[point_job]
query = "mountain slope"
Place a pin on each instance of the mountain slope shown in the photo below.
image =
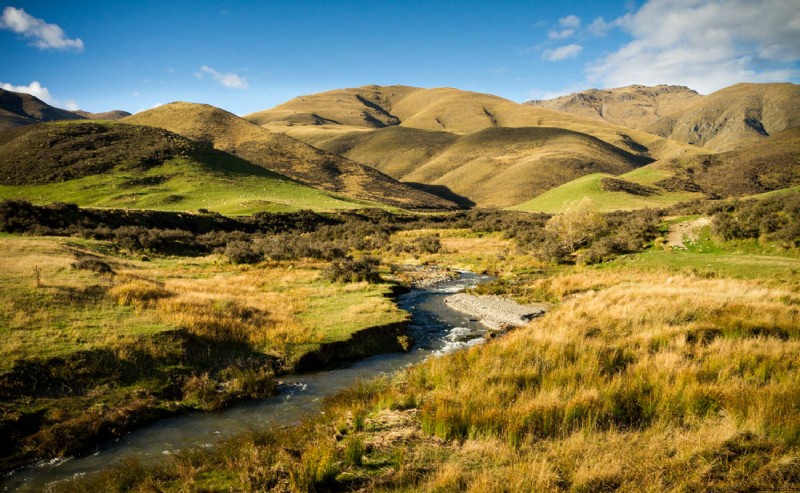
(632, 106)
(285, 155)
(113, 115)
(18, 109)
(121, 165)
(770, 165)
(494, 167)
(472, 148)
(731, 118)
(734, 117)
(441, 109)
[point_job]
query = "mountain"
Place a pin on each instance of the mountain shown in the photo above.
(734, 117)
(769, 165)
(23, 109)
(731, 118)
(285, 155)
(470, 147)
(632, 106)
(105, 164)
(113, 115)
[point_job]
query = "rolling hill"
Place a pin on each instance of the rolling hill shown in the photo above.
(18, 109)
(122, 165)
(112, 115)
(632, 106)
(731, 118)
(285, 155)
(767, 166)
(476, 149)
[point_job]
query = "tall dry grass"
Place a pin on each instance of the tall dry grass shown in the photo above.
(634, 382)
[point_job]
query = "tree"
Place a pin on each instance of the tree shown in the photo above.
(573, 228)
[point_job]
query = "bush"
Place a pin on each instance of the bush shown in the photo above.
(351, 270)
(242, 252)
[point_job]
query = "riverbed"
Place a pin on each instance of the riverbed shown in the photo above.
(436, 328)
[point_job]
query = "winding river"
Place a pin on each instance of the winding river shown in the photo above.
(436, 328)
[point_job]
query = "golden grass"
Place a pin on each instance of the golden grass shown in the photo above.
(634, 382)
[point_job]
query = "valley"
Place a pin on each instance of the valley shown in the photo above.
(184, 259)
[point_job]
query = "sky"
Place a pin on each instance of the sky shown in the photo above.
(253, 55)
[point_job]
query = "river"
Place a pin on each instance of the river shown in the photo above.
(436, 328)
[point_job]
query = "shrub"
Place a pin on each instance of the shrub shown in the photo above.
(242, 252)
(351, 270)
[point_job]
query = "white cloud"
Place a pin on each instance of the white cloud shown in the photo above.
(706, 45)
(562, 53)
(34, 89)
(564, 34)
(41, 92)
(572, 21)
(45, 36)
(229, 79)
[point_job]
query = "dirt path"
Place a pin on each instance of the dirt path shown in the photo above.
(685, 231)
(495, 312)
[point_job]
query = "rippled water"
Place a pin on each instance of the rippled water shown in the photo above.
(436, 328)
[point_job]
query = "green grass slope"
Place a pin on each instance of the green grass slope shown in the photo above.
(285, 155)
(121, 165)
(493, 167)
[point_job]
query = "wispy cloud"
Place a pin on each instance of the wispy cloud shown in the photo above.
(704, 45)
(36, 89)
(572, 21)
(562, 53)
(45, 36)
(563, 34)
(229, 79)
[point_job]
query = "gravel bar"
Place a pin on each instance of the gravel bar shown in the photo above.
(495, 312)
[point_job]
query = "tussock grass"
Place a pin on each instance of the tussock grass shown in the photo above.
(636, 381)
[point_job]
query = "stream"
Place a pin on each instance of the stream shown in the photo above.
(436, 328)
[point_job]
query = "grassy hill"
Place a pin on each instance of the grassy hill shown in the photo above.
(113, 115)
(470, 147)
(121, 165)
(285, 155)
(770, 165)
(18, 109)
(494, 167)
(439, 109)
(631, 106)
(731, 118)
(734, 117)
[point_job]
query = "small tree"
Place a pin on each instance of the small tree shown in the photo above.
(574, 228)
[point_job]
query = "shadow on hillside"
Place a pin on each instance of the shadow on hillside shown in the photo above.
(443, 192)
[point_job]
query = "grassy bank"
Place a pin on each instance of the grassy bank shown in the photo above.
(666, 370)
(133, 338)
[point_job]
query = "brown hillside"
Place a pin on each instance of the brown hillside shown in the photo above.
(442, 109)
(37, 154)
(470, 147)
(113, 115)
(495, 167)
(771, 164)
(734, 117)
(18, 109)
(285, 155)
(632, 106)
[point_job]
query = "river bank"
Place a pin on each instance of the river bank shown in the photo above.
(497, 313)
(298, 395)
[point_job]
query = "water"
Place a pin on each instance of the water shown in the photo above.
(436, 328)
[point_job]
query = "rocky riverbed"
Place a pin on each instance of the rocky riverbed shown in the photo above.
(495, 312)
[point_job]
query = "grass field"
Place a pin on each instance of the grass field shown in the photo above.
(556, 199)
(86, 328)
(182, 185)
(645, 376)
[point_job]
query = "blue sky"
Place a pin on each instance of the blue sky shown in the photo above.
(248, 56)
